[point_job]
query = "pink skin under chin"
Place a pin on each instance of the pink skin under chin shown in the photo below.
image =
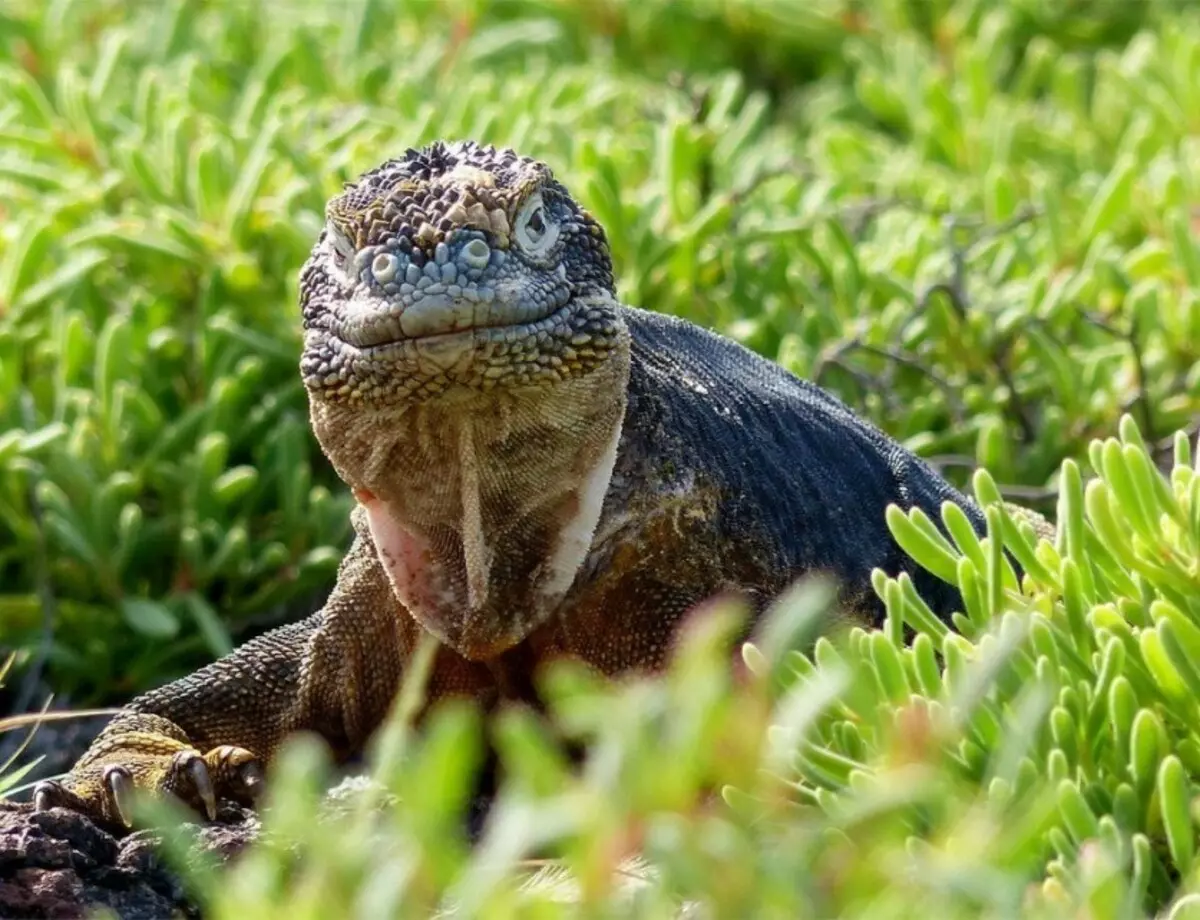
(404, 556)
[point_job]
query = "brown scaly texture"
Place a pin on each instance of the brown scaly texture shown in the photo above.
(540, 472)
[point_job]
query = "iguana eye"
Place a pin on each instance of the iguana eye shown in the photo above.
(383, 267)
(535, 227)
(536, 232)
(343, 249)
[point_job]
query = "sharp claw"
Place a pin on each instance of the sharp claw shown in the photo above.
(120, 788)
(251, 776)
(43, 796)
(198, 770)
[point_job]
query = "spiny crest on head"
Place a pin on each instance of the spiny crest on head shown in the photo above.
(419, 199)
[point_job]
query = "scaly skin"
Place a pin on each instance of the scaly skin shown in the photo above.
(540, 472)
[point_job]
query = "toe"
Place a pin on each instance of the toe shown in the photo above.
(50, 793)
(190, 764)
(47, 794)
(250, 777)
(119, 783)
(238, 771)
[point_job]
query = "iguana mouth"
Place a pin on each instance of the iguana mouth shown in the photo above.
(440, 315)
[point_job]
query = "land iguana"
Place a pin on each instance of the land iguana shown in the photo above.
(539, 470)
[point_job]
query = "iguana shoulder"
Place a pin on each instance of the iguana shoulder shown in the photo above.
(786, 478)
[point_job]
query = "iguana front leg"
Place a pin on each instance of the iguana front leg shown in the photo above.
(209, 735)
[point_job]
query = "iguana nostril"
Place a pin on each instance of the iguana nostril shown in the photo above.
(384, 267)
(476, 254)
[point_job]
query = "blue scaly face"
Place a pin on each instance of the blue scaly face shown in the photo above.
(457, 267)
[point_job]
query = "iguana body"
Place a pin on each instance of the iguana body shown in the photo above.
(539, 471)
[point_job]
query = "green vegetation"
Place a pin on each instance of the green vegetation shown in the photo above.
(1040, 762)
(973, 219)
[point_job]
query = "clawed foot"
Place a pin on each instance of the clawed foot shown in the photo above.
(198, 780)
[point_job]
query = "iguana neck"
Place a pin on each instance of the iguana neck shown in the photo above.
(482, 506)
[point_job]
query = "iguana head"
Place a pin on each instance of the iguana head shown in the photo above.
(466, 362)
(456, 267)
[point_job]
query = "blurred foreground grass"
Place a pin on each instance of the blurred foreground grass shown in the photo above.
(973, 220)
(1039, 761)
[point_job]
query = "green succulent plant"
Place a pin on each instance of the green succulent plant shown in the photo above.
(972, 219)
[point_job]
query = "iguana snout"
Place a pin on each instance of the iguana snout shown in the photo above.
(398, 295)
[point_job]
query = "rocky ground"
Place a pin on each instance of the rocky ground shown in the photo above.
(59, 864)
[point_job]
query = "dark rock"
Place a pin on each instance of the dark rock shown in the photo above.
(89, 840)
(58, 892)
(234, 828)
(139, 854)
(59, 864)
